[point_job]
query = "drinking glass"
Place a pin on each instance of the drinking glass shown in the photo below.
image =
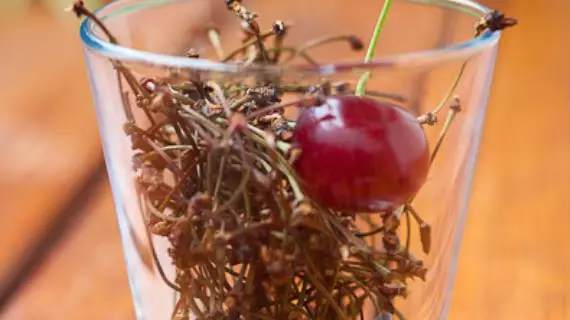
(420, 53)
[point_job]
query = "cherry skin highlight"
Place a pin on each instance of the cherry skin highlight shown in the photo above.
(360, 154)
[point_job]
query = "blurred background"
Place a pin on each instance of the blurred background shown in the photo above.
(60, 254)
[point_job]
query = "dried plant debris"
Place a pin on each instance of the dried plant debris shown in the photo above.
(215, 179)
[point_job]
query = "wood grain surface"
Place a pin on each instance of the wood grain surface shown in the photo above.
(514, 262)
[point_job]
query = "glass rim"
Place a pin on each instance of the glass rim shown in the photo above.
(462, 50)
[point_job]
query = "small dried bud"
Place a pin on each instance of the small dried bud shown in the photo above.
(429, 119)
(161, 228)
(494, 21)
(192, 53)
(232, 3)
(264, 96)
(150, 176)
(425, 236)
(78, 7)
(254, 26)
(130, 128)
(148, 84)
(393, 289)
(279, 28)
(456, 104)
(355, 43)
(240, 11)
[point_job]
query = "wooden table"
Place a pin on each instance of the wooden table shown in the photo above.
(60, 255)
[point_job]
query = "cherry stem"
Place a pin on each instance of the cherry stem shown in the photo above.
(361, 86)
(82, 10)
(354, 42)
(370, 233)
(263, 111)
(415, 214)
(454, 108)
(408, 231)
(249, 43)
(293, 53)
(320, 287)
(261, 137)
(221, 100)
(159, 265)
(431, 117)
(214, 36)
(445, 100)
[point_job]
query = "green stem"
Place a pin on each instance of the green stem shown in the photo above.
(451, 90)
(361, 86)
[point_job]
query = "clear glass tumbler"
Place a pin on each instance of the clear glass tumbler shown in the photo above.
(156, 101)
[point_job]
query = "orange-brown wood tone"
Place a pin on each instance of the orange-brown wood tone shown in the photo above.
(514, 262)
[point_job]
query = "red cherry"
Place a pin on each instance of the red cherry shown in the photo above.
(360, 154)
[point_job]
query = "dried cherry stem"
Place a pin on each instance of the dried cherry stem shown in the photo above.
(182, 98)
(361, 86)
(430, 118)
(169, 162)
(240, 102)
(210, 172)
(239, 190)
(370, 233)
(294, 102)
(249, 18)
(125, 100)
(202, 120)
(278, 50)
(493, 21)
(214, 36)
(156, 212)
(364, 288)
(280, 30)
(221, 99)
(425, 229)
(151, 154)
(186, 173)
(321, 288)
(252, 54)
(195, 308)
(408, 231)
(454, 108)
(261, 138)
(78, 7)
(373, 226)
(158, 265)
(248, 44)
(293, 53)
(260, 44)
(354, 42)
